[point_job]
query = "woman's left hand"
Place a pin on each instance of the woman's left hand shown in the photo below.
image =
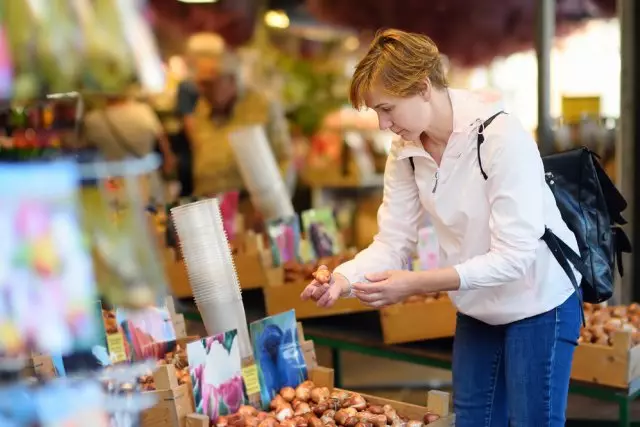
(387, 288)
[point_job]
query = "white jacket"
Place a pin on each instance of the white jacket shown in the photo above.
(489, 231)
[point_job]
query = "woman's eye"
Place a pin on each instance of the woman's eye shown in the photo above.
(387, 109)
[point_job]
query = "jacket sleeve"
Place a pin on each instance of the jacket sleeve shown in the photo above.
(398, 220)
(515, 188)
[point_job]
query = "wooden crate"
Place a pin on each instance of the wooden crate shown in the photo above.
(615, 366)
(174, 402)
(283, 297)
(417, 321)
(437, 401)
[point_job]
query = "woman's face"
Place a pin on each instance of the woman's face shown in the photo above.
(407, 117)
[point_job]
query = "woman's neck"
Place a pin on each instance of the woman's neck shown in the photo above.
(441, 123)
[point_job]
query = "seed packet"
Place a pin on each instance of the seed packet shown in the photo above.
(149, 332)
(284, 239)
(45, 267)
(321, 230)
(216, 374)
(277, 352)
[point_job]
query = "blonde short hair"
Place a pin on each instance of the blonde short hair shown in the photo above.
(400, 62)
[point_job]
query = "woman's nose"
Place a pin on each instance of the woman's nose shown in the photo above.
(384, 123)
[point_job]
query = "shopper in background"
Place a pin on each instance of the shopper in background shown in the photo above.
(199, 45)
(223, 106)
(519, 316)
(128, 128)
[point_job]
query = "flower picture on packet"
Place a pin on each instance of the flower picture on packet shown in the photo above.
(216, 374)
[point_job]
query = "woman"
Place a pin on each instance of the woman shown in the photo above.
(519, 316)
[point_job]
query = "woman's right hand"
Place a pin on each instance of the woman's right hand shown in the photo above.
(325, 295)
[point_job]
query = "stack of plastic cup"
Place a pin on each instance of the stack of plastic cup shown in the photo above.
(260, 172)
(212, 273)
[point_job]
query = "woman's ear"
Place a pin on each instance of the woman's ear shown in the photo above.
(426, 91)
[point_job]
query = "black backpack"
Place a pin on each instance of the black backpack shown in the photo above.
(591, 206)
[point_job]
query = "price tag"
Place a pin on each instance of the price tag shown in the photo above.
(115, 344)
(574, 107)
(251, 380)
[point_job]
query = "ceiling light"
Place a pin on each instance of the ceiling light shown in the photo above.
(276, 19)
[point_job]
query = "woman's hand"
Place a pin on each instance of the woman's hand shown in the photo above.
(387, 288)
(325, 295)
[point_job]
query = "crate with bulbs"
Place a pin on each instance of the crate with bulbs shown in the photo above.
(608, 352)
(280, 297)
(316, 403)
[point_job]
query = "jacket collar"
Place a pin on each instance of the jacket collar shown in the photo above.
(470, 109)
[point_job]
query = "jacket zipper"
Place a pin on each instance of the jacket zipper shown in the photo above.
(435, 184)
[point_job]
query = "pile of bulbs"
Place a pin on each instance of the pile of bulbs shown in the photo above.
(311, 406)
(603, 321)
(178, 359)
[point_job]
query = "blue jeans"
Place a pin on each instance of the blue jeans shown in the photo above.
(516, 374)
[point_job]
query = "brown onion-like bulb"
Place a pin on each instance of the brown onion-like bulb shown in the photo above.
(288, 393)
(320, 408)
(269, 422)
(328, 418)
(315, 422)
(288, 423)
(320, 394)
(339, 395)
(247, 411)
(375, 409)
(222, 421)
(300, 421)
(341, 416)
(251, 421)
(351, 422)
(414, 423)
(284, 413)
(302, 409)
(355, 401)
(303, 393)
(431, 418)
(277, 401)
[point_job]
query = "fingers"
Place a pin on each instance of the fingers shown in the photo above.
(377, 277)
(369, 298)
(330, 297)
(369, 288)
(306, 293)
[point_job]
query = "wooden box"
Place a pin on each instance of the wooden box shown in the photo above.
(615, 366)
(437, 401)
(174, 402)
(417, 321)
(283, 297)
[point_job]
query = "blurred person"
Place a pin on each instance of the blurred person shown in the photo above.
(224, 106)
(198, 45)
(128, 128)
(519, 315)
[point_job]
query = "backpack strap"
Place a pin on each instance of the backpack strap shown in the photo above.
(565, 255)
(481, 129)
